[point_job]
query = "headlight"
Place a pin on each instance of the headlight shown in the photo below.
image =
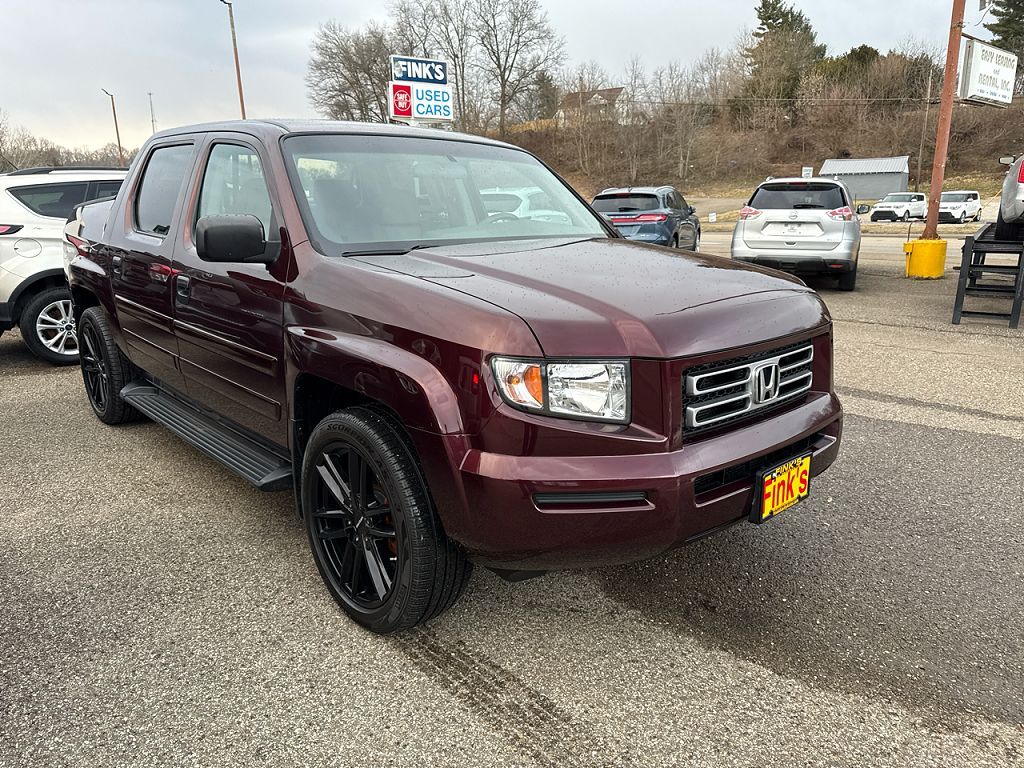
(591, 390)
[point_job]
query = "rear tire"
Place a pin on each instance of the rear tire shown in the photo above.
(48, 327)
(675, 241)
(1006, 230)
(105, 371)
(905, 216)
(696, 242)
(372, 527)
(848, 281)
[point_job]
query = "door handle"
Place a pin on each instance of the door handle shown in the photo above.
(181, 286)
(117, 262)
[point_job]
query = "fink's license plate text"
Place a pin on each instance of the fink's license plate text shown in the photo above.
(781, 487)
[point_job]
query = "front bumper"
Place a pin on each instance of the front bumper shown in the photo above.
(951, 217)
(545, 513)
(886, 216)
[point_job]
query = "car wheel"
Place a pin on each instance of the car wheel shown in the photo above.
(105, 371)
(375, 536)
(675, 241)
(1006, 230)
(963, 217)
(48, 327)
(696, 241)
(848, 281)
(977, 216)
(905, 216)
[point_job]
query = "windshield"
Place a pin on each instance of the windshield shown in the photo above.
(624, 202)
(897, 198)
(394, 193)
(955, 197)
(797, 194)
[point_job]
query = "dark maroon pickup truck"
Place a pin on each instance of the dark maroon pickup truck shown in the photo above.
(445, 352)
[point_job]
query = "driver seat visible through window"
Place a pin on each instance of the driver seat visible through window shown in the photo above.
(234, 184)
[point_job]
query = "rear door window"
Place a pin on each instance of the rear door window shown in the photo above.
(54, 200)
(625, 202)
(789, 195)
(158, 192)
(107, 188)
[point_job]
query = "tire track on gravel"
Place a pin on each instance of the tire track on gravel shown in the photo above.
(525, 717)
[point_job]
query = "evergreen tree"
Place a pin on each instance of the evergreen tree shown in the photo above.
(1007, 28)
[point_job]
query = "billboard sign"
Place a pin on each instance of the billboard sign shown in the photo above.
(420, 103)
(419, 90)
(988, 74)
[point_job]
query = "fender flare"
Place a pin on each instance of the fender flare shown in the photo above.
(408, 384)
(37, 278)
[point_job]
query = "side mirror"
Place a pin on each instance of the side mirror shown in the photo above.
(232, 238)
(1007, 160)
(693, 211)
(863, 208)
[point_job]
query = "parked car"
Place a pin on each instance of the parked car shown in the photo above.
(803, 226)
(442, 384)
(959, 206)
(900, 206)
(1010, 220)
(34, 205)
(523, 203)
(657, 215)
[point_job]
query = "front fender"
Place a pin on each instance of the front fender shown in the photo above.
(408, 384)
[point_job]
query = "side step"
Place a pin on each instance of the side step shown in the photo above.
(260, 466)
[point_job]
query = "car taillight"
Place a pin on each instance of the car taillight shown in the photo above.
(642, 218)
(841, 214)
(9, 229)
(81, 246)
(1020, 174)
(746, 212)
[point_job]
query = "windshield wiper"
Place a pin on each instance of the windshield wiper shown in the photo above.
(386, 251)
(807, 205)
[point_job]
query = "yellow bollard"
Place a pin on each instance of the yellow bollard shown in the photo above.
(925, 258)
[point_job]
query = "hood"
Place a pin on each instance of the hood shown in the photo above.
(616, 298)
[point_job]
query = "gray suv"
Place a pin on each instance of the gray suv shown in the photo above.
(1010, 221)
(802, 226)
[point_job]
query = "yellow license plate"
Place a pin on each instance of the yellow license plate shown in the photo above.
(782, 487)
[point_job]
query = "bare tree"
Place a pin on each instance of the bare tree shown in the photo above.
(517, 43)
(349, 71)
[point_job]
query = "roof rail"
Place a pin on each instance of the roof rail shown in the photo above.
(52, 168)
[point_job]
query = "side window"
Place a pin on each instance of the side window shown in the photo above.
(682, 202)
(56, 200)
(158, 192)
(107, 188)
(234, 183)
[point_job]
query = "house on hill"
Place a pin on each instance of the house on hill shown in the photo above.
(602, 104)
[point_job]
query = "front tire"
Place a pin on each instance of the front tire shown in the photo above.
(48, 327)
(373, 531)
(905, 216)
(105, 371)
(696, 242)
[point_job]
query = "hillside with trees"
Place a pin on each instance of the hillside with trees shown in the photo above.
(776, 100)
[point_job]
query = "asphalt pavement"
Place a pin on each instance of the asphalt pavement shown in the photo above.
(156, 611)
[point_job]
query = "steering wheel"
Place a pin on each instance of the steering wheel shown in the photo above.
(494, 218)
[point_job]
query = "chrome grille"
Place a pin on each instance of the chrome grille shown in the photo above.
(722, 392)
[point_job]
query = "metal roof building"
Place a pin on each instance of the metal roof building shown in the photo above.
(870, 178)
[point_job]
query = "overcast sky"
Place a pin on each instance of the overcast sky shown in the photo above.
(58, 54)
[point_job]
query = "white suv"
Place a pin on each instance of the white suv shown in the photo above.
(34, 205)
(960, 205)
(900, 206)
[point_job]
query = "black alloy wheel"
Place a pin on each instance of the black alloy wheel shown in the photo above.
(373, 531)
(105, 371)
(355, 527)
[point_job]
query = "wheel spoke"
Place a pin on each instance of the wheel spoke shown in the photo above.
(45, 321)
(89, 346)
(357, 479)
(335, 484)
(380, 531)
(332, 534)
(63, 308)
(332, 514)
(378, 573)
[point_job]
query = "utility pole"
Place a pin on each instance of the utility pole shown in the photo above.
(152, 116)
(117, 131)
(924, 131)
(956, 25)
(234, 47)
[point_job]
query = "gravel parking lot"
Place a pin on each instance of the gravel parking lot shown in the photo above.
(154, 610)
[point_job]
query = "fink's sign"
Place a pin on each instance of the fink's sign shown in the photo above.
(988, 74)
(419, 91)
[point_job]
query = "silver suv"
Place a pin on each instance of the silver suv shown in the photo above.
(1010, 221)
(802, 226)
(34, 205)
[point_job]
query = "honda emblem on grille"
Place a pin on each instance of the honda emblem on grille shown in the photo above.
(766, 383)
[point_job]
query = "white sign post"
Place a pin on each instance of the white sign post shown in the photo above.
(419, 91)
(988, 74)
(806, 171)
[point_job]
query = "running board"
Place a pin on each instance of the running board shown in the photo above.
(247, 458)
